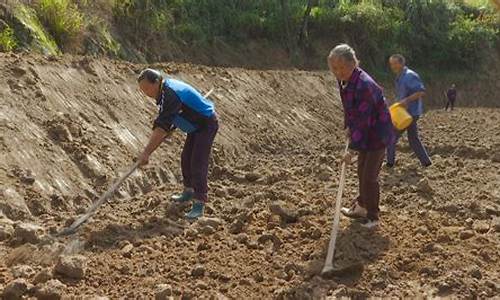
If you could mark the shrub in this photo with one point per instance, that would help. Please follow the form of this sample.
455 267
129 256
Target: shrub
7 40
469 40
62 19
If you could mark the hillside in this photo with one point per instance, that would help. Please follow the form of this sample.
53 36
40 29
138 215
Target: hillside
69 125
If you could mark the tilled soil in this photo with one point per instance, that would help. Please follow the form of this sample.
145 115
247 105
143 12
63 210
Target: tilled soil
70 125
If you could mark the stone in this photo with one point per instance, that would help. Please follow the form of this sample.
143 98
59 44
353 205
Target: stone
22 271
50 290
252 176
28 233
492 210
245 281
213 222
236 227
72 266
6 229
466 234
421 230
286 215
495 157
13 205
451 208
258 277
198 271
201 285
495 224
481 226
43 276
476 273
207 230
424 186
469 222
163 292
270 237
220 192
242 238
127 250
15 289
325 172
19 71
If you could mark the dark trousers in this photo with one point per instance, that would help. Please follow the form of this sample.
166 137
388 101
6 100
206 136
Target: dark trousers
369 164
195 157
450 103
415 144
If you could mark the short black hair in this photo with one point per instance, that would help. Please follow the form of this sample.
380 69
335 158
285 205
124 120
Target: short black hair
151 75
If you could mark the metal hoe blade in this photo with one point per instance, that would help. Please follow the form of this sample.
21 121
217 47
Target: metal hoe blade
93 208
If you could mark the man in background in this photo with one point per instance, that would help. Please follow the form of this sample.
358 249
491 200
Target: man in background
451 95
409 92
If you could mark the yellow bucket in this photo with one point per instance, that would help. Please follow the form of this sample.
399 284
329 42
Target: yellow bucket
400 117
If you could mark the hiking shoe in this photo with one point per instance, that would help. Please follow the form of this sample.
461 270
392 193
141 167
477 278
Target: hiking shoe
370 224
355 212
197 210
186 196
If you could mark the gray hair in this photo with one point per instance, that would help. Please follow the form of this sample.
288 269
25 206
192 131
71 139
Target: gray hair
399 58
345 52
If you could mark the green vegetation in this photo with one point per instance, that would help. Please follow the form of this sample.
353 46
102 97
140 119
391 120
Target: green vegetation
62 18
38 38
454 34
7 40
444 34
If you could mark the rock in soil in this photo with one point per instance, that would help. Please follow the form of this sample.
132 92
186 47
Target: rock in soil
22 271
163 292
198 271
236 227
12 204
73 266
28 233
50 290
213 222
286 214
43 276
6 229
466 234
481 226
15 289
127 250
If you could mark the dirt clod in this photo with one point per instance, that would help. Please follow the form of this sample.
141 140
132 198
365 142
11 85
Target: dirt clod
15 289
28 233
50 290
163 292
73 266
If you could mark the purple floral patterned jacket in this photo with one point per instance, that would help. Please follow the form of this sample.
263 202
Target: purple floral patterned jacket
365 112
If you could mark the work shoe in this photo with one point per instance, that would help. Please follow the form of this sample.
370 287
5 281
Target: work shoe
186 196
355 212
370 224
196 210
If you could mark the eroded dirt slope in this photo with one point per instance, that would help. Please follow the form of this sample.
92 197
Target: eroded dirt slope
70 125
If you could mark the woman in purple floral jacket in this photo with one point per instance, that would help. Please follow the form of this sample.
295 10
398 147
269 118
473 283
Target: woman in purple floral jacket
369 129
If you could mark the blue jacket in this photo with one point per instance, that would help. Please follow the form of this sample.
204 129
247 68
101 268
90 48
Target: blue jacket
408 83
182 106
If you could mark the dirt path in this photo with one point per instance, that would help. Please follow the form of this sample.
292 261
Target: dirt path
68 126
